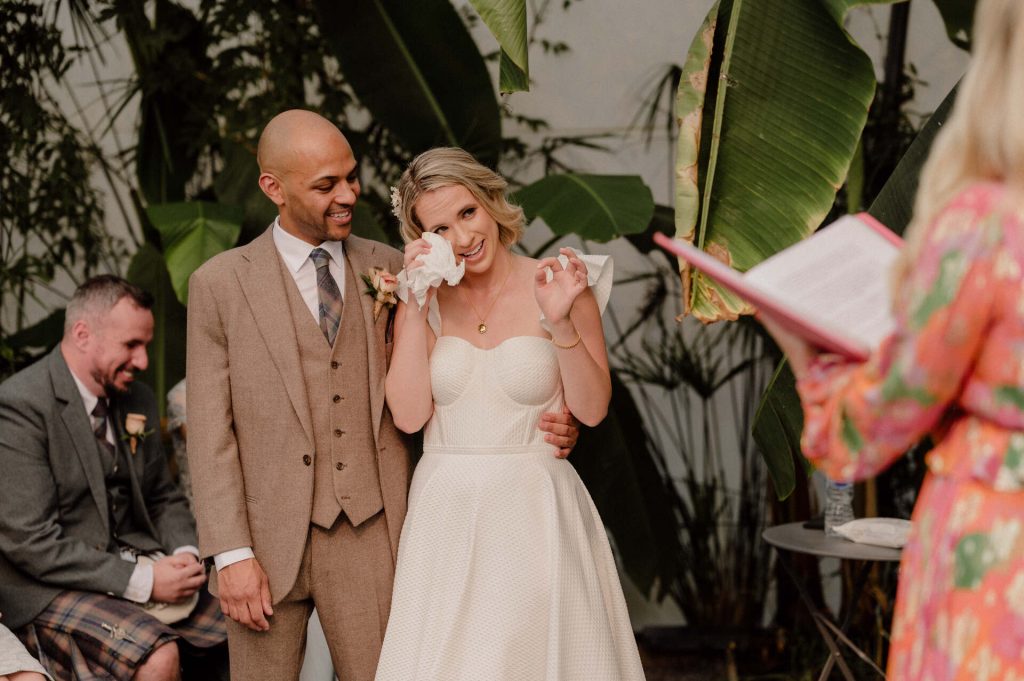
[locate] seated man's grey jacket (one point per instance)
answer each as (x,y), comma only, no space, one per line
(54,522)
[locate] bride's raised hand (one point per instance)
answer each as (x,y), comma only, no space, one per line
(555,297)
(414,249)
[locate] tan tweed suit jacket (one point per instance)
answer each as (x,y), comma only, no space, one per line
(250,434)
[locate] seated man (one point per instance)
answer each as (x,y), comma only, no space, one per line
(85,491)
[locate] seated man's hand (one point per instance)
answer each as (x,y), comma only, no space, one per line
(560,429)
(177,577)
(245,594)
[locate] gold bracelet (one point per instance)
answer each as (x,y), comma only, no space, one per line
(570,346)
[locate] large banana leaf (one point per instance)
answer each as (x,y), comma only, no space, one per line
(507,21)
(895,203)
(777,428)
(770,122)
(779,419)
(192,232)
(418,71)
(596,207)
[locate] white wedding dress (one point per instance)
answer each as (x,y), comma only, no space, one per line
(504,569)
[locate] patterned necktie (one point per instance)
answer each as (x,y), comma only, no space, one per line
(100,412)
(329,294)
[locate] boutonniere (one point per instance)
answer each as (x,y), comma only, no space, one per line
(135,430)
(382,285)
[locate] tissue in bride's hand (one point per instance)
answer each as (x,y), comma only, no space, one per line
(438,265)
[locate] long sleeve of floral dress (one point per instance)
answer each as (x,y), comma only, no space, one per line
(953,367)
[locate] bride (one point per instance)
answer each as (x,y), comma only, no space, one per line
(504,570)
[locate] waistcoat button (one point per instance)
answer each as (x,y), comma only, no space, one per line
(336,398)
(307,459)
(340,466)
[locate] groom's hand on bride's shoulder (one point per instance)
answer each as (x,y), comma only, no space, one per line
(245,594)
(562,430)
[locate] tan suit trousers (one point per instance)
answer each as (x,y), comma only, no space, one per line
(347,573)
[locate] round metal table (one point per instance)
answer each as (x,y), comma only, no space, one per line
(799,539)
(796,537)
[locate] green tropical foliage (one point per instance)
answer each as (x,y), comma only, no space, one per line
(780,418)
(750,182)
(191,233)
(206,80)
(595,207)
(426,92)
(209,78)
(772,101)
(61,209)
(507,21)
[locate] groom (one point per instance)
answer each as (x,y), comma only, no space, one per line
(299,475)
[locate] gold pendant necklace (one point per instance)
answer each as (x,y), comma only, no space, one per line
(482,326)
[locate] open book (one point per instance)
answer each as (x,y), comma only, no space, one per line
(833,288)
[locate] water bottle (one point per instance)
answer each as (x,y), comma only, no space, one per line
(838,505)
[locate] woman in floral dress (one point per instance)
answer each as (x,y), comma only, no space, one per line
(954,368)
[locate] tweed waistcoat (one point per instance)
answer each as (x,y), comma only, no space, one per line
(345,476)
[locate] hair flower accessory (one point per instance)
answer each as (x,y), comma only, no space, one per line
(135,430)
(382,285)
(396,203)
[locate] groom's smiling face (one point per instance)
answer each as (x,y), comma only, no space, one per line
(320,191)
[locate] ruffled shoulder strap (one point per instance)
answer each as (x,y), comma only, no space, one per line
(600,272)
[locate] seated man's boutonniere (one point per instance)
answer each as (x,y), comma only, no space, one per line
(135,430)
(382,285)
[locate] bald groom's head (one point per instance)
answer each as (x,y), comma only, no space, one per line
(290,135)
(308,170)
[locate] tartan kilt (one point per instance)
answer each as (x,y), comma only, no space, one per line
(86,635)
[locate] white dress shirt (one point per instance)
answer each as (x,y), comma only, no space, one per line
(295,254)
(140,585)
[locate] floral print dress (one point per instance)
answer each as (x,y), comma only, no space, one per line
(954,368)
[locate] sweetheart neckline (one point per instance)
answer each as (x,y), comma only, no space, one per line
(510,338)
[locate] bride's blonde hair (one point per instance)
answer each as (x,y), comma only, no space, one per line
(983,139)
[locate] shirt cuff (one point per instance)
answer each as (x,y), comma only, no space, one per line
(140,585)
(222,560)
(188,548)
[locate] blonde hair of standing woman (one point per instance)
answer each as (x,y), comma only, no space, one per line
(448,166)
(983,139)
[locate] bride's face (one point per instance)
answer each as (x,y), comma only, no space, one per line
(455,214)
